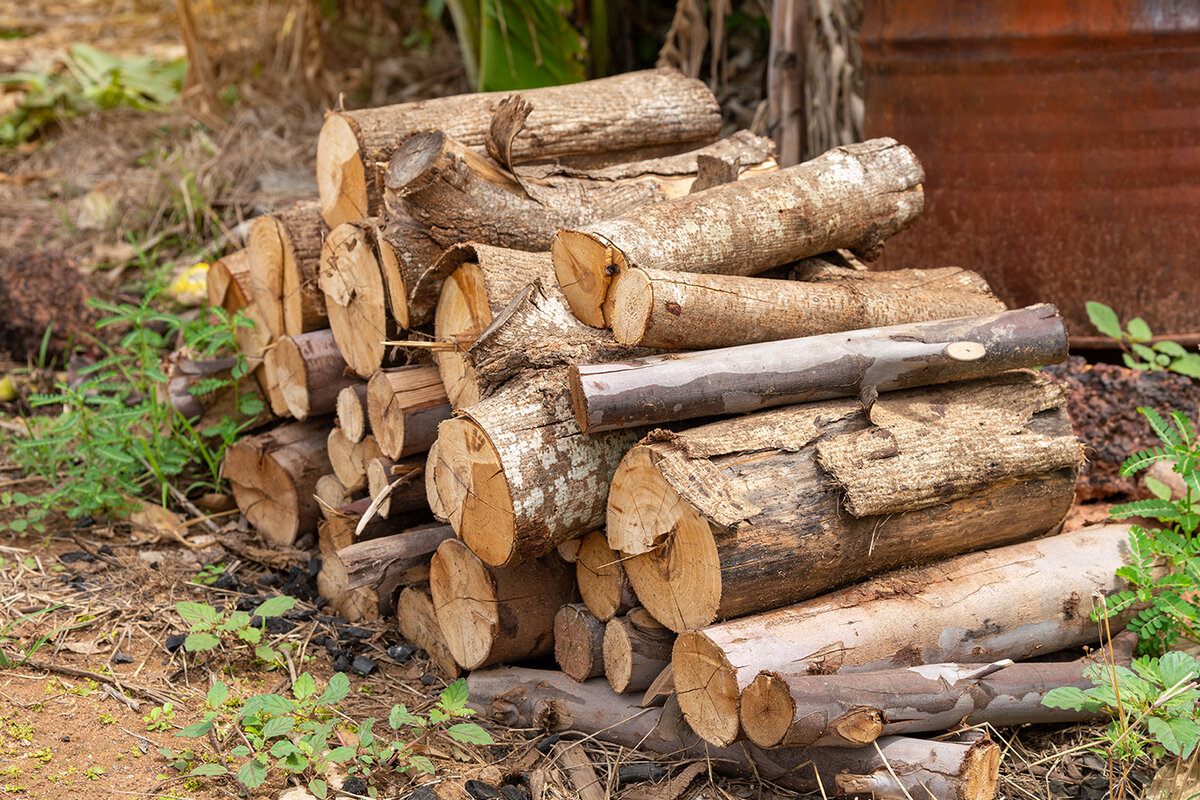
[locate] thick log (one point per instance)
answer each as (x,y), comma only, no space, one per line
(578,642)
(400,484)
(931,770)
(368,562)
(310,372)
(406,254)
(419,625)
(688,311)
(349,459)
(274,474)
(737,380)
(852,710)
(515,476)
(751,513)
(491,615)
(1010,602)
(659,109)
(636,650)
(603,584)
(852,197)
(285,249)
(405,405)
(355,300)
(351,410)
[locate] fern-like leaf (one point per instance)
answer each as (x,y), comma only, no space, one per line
(1144,458)
(1187,430)
(1163,429)
(1153,508)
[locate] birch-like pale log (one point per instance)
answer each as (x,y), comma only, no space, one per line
(852,197)
(737,380)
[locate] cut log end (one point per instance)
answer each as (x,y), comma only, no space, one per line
(379,480)
(418,154)
(767,710)
(707,688)
(578,642)
(354,297)
(266,270)
(981,770)
(352,412)
(632,303)
(462,314)
(618,656)
(393,275)
(471,485)
(464,593)
(603,584)
(291,375)
(585,267)
(341,175)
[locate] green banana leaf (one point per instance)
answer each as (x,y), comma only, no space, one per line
(525,44)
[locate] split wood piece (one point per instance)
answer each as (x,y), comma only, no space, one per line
(405,405)
(650,109)
(206,409)
(966,769)
(352,411)
(603,584)
(265,374)
(853,710)
(340,529)
(755,512)
(331,494)
(285,251)
(406,253)
(578,642)
(636,650)
(688,311)
(419,626)
(660,689)
(274,475)
(852,197)
(440,512)
(738,380)
(514,475)
(1011,602)
(403,481)
(355,300)
(580,771)
(230,287)
(310,371)
(367,561)
(356,605)
(491,615)
(349,459)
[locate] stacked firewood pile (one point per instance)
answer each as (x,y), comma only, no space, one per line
(572,377)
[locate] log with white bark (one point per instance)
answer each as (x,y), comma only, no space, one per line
(688,311)
(578,642)
(491,615)
(397,486)
(406,255)
(349,459)
(310,372)
(738,380)
(1010,602)
(653,109)
(274,474)
(636,650)
(852,197)
(901,769)
(754,512)
(603,584)
(285,248)
(419,625)
(405,405)
(352,411)
(852,710)
(367,562)
(514,475)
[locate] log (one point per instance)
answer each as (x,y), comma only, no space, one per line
(568,551)
(230,287)
(689,311)
(310,372)
(188,390)
(578,642)
(403,481)
(603,584)
(852,197)
(364,603)
(367,562)
(419,625)
(514,475)
(755,512)
(349,459)
(738,380)
(331,494)
(285,249)
(1010,602)
(930,770)
(406,254)
(352,411)
(273,476)
(355,299)
(340,529)
(853,710)
(490,615)
(651,109)
(405,405)
(636,650)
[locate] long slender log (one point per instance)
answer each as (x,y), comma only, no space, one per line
(578,642)
(827,493)
(1010,602)
(349,459)
(419,625)
(853,710)
(274,474)
(931,770)
(405,406)
(286,247)
(687,311)
(603,584)
(651,109)
(310,371)
(737,380)
(351,407)
(515,476)
(400,483)
(367,561)
(491,615)
(406,254)
(355,299)
(852,197)
(636,650)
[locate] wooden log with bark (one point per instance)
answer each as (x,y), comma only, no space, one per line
(852,197)
(397,486)
(419,625)
(349,459)
(365,603)
(578,642)
(406,255)
(274,474)
(310,372)
(351,407)
(405,405)
(1009,602)
(636,650)
(688,311)
(491,615)
(514,475)
(189,391)
(285,251)
(853,710)
(642,111)
(368,561)
(754,512)
(738,380)
(230,287)
(341,527)
(331,494)
(603,584)
(901,769)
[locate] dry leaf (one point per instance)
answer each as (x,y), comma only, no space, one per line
(158,520)
(1177,780)
(92,648)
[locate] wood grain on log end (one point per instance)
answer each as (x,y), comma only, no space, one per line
(585,267)
(768,710)
(354,296)
(404,406)
(632,302)
(603,584)
(352,411)
(341,174)
(578,642)
(707,688)
(462,314)
(464,598)
(474,491)
(266,271)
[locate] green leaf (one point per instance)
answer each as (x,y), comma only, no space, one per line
(422,763)
(1187,365)
(454,697)
(250,635)
(1177,668)
(268,654)
(217,695)
(271,705)
(1177,735)
(469,733)
(1173,349)
(318,788)
(283,748)
(1105,319)
(196,729)
(200,641)
(304,687)
(295,762)
(1139,331)
(338,688)
(401,717)
(1069,697)
(280,604)
(1144,352)
(528,44)
(196,612)
(340,754)
(252,774)
(209,769)
(1158,488)
(278,726)
(241,751)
